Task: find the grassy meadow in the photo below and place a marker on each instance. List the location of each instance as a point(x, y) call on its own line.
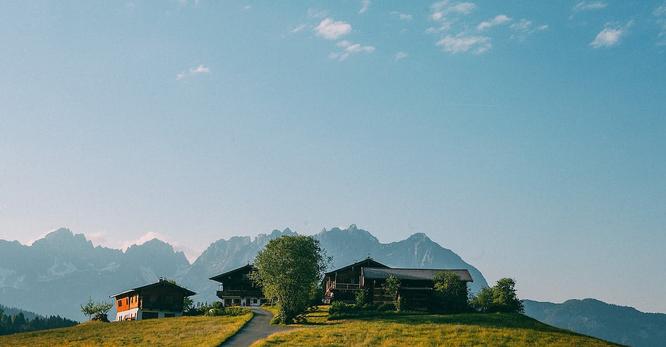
point(181, 331)
point(428, 330)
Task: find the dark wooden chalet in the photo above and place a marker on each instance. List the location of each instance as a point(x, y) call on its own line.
point(342, 284)
point(161, 299)
point(237, 289)
point(415, 284)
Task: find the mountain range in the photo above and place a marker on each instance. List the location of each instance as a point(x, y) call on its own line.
point(59, 272)
point(621, 324)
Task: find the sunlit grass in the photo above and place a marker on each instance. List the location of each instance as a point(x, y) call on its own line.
point(429, 330)
point(182, 331)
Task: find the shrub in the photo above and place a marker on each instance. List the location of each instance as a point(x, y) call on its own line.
point(385, 307)
point(338, 307)
point(361, 298)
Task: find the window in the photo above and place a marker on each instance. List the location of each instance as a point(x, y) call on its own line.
point(120, 302)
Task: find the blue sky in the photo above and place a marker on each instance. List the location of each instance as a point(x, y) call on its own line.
point(527, 136)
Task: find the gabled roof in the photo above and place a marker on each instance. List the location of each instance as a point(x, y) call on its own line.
point(244, 268)
point(367, 262)
point(412, 274)
point(160, 283)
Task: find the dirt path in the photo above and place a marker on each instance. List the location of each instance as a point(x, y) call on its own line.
point(256, 329)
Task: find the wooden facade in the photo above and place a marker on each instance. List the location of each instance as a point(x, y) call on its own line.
point(162, 299)
point(342, 284)
point(415, 284)
point(237, 289)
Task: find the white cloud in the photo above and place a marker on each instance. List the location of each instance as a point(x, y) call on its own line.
point(402, 16)
point(610, 36)
point(500, 19)
point(317, 13)
point(446, 14)
point(524, 27)
point(465, 43)
point(299, 28)
point(188, 2)
point(365, 4)
point(349, 48)
point(331, 29)
point(660, 13)
point(589, 6)
point(400, 56)
point(193, 71)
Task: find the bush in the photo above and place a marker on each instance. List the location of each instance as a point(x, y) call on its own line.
point(385, 307)
point(361, 298)
point(341, 307)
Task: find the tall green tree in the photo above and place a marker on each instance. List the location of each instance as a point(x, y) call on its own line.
point(505, 297)
point(288, 269)
point(501, 297)
point(451, 294)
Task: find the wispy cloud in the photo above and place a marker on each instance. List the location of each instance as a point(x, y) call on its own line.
point(445, 14)
point(348, 49)
point(316, 13)
point(610, 35)
point(402, 16)
point(525, 27)
point(462, 43)
point(660, 14)
point(298, 28)
point(365, 5)
point(589, 6)
point(500, 19)
point(400, 56)
point(331, 30)
point(441, 9)
point(193, 71)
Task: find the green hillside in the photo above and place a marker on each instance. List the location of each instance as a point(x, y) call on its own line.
point(430, 330)
point(182, 331)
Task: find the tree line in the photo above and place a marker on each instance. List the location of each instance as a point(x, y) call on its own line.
point(17, 323)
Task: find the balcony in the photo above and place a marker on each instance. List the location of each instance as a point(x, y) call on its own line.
point(345, 286)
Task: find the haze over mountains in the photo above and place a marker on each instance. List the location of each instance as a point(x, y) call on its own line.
point(59, 272)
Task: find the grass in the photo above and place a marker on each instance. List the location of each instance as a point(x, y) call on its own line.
point(181, 331)
point(473, 329)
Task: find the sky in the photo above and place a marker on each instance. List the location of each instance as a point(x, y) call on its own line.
point(526, 136)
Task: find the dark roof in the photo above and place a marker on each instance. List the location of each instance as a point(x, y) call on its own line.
point(412, 274)
point(160, 283)
point(220, 277)
point(367, 262)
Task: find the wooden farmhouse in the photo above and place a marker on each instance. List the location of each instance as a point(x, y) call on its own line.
point(162, 299)
point(416, 285)
point(237, 289)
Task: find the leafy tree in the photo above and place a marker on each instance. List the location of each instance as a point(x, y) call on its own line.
point(288, 269)
point(483, 301)
point(500, 298)
point(451, 294)
point(96, 310)
point(392, 288)
point(504, 296)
